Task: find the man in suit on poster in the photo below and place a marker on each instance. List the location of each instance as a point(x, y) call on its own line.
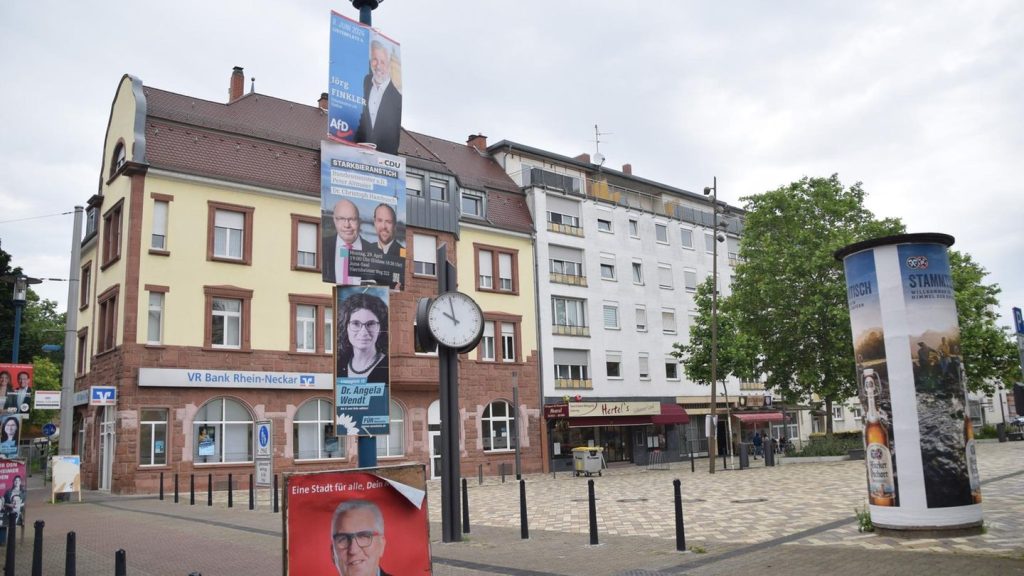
point(381, 120)
point(357, 539)
point(337, 249)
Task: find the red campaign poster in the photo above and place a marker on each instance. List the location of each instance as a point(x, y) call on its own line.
point(354, 523)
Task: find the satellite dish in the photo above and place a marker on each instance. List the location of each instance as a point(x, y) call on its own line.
point(598, 158)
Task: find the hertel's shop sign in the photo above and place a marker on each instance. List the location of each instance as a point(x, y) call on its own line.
point(587, 409)
point(187, 378)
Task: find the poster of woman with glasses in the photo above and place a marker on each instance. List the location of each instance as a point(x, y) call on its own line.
point(361, 373)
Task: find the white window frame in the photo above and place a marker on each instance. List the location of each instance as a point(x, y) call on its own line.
point(508, 342)
point(837, 413)
point(686, 237)
point(485, 263)
point(610, 311)
point(157, 432)
point(441, 186)
point(307, 241)
point(674, 364)
point(227, 238)
point(605, 225)
point(241, 433)
point(644, 366)
point(505, 280)
point(329, 321)
point(668, 321)
point(414, 185)
point(158, 238)
point(661, 233)
point(424, 254)
point(226, 320)
point(856, 412)
point(393, 445)
point(155, 327)
point(476, 200)
point(305, 328)
point(690, 279)
point(487, 342)
point(491, 423)
point(640, 314)
point(608, 263)
point(709, 243)
point(610, 359)
point(665, 276)
point(572, 310)
point(637, 269)
point(634, 228)
point(321, 425)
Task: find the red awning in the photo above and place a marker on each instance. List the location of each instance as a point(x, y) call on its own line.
point(759, 417)
point(670, 414)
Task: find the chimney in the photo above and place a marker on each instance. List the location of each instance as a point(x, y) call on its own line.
point(583, 158)
point(627, 169)
point(322, 102)
point(478, 141)
point(237, 87)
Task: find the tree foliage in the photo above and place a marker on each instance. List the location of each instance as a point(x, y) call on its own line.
point(737, 355)
point(46, 376)
point(41, 323)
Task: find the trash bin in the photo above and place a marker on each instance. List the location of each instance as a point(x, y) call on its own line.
point(587, 460)
point(769, 451)
point(1001, 431)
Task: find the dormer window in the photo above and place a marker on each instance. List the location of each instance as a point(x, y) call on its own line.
point(118, 159)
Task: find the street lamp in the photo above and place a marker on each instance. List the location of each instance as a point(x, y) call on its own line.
point(21, 284)
point(712, 193)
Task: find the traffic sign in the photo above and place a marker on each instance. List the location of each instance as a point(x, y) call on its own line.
point(264, 444)
point(1018, 320)
point(49, 429)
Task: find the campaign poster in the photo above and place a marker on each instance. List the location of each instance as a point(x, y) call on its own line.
point(10, 434)
point(207, 443)
point(13, 488)
point(357, 522)
point(67, 474)
point(933, 332)
point(364, 100)
point(362, 389)
point(362, 196)
point(16, 383)
point(862, 293)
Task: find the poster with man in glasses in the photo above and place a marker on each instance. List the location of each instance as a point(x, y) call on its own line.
point(362, 379)
point(357, 523)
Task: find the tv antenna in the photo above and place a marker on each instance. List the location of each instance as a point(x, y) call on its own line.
point(598, 157)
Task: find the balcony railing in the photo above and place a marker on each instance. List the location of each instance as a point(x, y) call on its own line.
point(565, 229)
point(570, 330)
point(569, 384)
point(559, 278)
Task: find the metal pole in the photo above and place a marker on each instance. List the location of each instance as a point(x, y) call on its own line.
point(680, 528)
point(12, 529)
point(515, 426)
point(37, 549)
point(713, 429)
point(18, 306)
point(365, 8)
point(465, 507)
point(524, 521)
point(67, 389)
point(592, 503)
point(70, 555)
point(448, 372)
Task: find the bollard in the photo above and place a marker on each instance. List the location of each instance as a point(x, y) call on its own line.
point(480, 474)
point(70, 555)
point(192, 489)
point(161, 486)
point(524, 522)
point(252, 494)
point(231, 493)
point(744, 456)
point(680, 529)
point(769, 454)
point(12, 529)
point(37, 549)
point(725, 463)
point(593, 512)
point(175, 487)
point(501, 469)
point(692, 466)
point(465, 507)
point(209, 489)
point(120, 563)
point(275, 494)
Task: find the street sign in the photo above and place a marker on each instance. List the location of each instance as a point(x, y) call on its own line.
point(264, 448)
point(49, 429)
point(1018, 320)
point(264, 473)
point(47, 400)
point(102, 396)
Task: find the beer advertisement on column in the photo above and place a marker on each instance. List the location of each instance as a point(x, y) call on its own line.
point(364, 102)
point(362, 200)
point(950, 475)
point(872, 378)
point(362, 391)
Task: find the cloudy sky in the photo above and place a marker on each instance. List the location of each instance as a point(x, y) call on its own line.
point(920, 101)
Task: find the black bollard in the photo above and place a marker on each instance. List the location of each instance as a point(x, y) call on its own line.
point(480, 474)
point(501, 468)
point(725, 463)
point(120, 563)
point(209, 489)
point(70, 556)
point(680, 529)
point(524, 522)
point(593, 512)
point(37, 549)
point(175, 487)
point(231, 494)
point(192, 489)
point(465, 507)
point(12, 529)
point(161, 485)
point(275, 494)
point(252, 494)
point(692, 467)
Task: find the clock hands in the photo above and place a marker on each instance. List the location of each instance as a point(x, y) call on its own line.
point(451, 305)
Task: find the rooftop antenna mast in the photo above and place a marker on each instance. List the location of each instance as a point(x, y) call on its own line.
point(598, 157)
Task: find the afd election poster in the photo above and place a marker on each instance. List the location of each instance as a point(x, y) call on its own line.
point(362, 197)
point(370, 522)
point(364, 100)
point(362, 390)
point(16, 387)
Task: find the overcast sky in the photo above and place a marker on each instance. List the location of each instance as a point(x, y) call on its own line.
point(920, 101)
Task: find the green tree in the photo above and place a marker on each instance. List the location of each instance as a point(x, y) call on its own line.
point(789, 293)
point(41, 323)
point(737, 355)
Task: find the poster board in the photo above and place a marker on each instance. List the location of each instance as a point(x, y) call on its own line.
point(13, 488)
point(67, 476)
point(384, 521)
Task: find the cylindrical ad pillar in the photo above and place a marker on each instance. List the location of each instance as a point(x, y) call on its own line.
point(921, 467)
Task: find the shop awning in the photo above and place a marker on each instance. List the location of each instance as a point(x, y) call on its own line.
point(670, 414)
point(759, 416)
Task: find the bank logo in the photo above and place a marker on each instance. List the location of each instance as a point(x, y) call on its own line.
point(307, 380)
point(917, 262)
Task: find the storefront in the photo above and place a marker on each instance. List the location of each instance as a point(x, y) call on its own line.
point(627, 431)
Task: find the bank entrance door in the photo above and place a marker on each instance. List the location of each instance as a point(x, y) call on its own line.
point(106, 459)
point(434, 437)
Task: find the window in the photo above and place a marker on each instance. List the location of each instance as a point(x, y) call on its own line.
point(491, 258)
point(155, 328)
point(496, 426)
point(668, 321)
point(438, 189)
point(665, 276)
point(634, 228)
point(733, 245)
point(686, 238)
point(487, 342)
point(508, 342)
point(563, 215)
point(112, 234)
point(118, 159)
point(611, 316)
point(571, 372)
point(641, 319)
point(690, 280)
point(566, 265)
point(228, 311)
point(305, 242)
point(311, 316)
point(645, 366)
point(424, 253)
point(709, 243)
point(613, 364)
point(572, 369)
point(661, 233)
point(671, 369)
point(564, 219)
point(393, 445)
point(414, 185)
point(604, 225)
point(83, 351)
point(230, 233)
point(638, 273)
point(85, 286)
point(91, 217)
point(153, 437)
point(569, 316)
point(222, 430)
point(313, 435)
point(837, 412)
point(472, 204)
point(608, 267)
point(500, 340)
point(158, 238)
point(856, 412)
point(106, 327)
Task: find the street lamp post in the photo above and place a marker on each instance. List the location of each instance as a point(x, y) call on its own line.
point(713, 428)
point(21, 283)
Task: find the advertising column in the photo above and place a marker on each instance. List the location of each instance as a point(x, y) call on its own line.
point(921, 472)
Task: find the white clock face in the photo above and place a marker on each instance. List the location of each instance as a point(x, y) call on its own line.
point(455, 320)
